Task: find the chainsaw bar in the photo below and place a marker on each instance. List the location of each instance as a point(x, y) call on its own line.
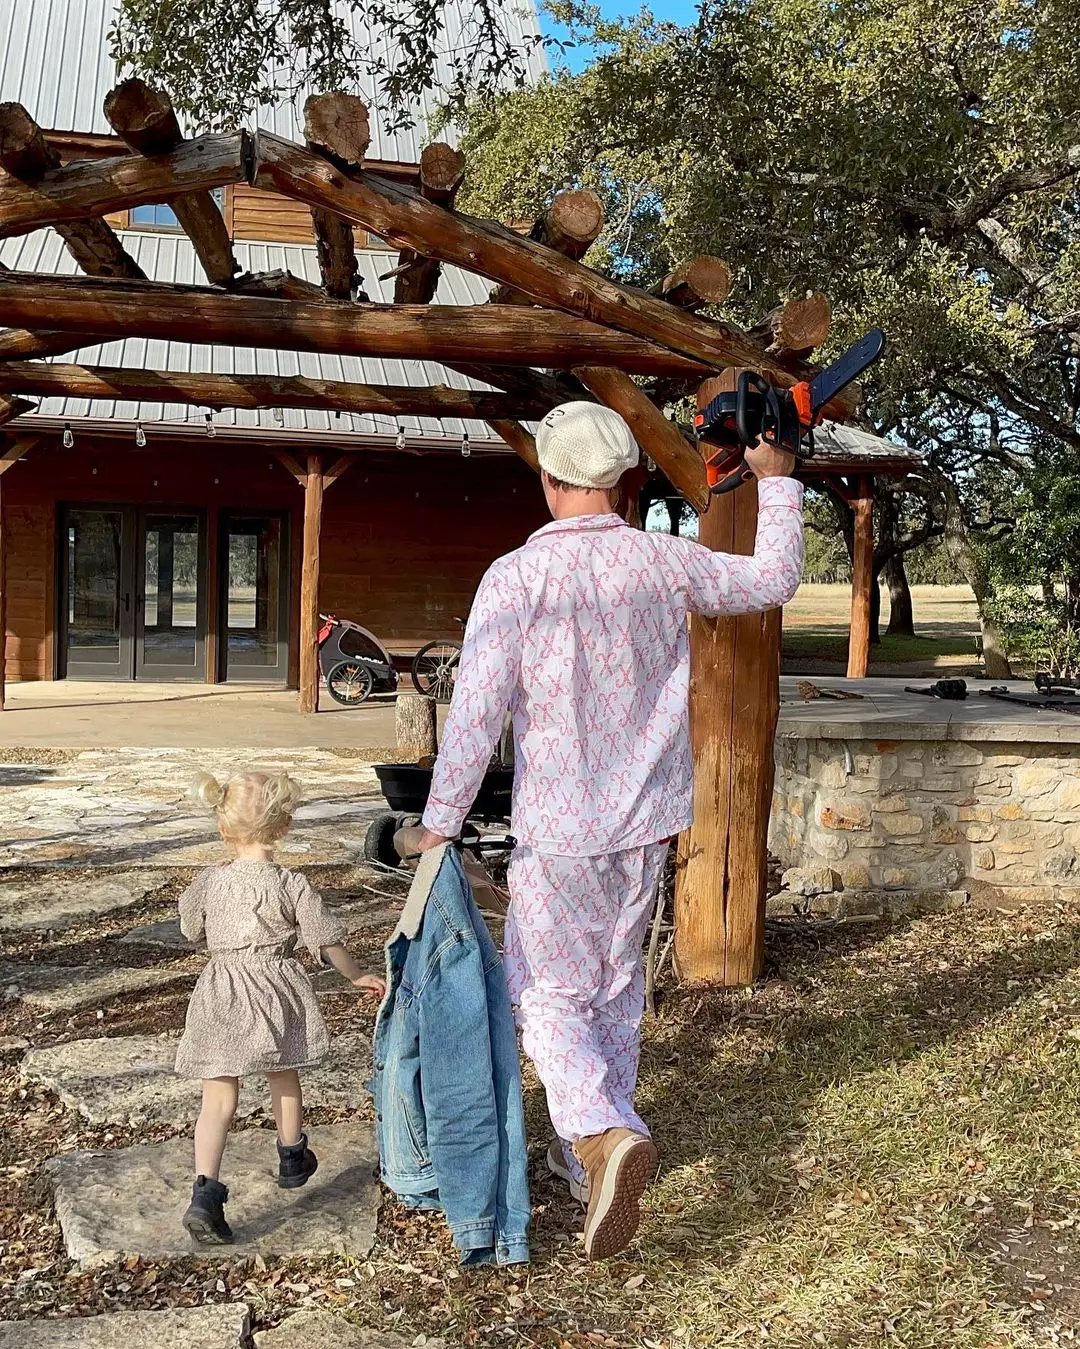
point(845, 369)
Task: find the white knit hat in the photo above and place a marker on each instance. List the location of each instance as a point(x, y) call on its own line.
point(585, 445)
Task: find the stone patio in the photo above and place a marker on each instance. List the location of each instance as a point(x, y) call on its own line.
point(129, 1201)
point(35, 905)
point(322, 1330)
point(220, 1327)
point(67, 988)
point(130, 1080)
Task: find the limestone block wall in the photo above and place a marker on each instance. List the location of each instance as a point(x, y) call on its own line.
point(999, 820)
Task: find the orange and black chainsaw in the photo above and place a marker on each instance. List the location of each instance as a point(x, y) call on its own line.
point(755, 410)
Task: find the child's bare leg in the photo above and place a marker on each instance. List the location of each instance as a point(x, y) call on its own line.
point(219, 1099)
point(287, 1102)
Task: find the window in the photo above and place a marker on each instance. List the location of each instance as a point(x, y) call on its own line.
point(162, 216)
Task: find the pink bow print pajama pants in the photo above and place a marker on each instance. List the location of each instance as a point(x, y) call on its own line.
point(574, 965)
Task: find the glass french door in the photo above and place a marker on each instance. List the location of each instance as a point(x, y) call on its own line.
point(133, 593)
point(255, 596)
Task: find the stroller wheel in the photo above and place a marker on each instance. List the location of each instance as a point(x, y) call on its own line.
point(350, 683)
point(379, 840)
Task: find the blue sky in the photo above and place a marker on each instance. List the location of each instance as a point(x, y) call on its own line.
point(673, 11)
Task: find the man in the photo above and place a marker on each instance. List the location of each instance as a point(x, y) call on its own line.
point(582, 634)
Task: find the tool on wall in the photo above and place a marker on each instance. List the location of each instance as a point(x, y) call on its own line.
point(756, 410)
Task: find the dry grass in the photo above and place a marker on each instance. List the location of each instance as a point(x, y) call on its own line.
point(876, 1146)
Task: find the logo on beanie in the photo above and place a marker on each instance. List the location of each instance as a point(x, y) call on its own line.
point(555, 412)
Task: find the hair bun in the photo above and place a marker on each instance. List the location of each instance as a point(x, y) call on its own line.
point(208, 790)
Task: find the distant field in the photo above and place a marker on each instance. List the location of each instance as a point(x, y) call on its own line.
point(816, 629)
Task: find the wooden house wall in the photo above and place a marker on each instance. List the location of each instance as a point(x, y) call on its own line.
point(405, 539)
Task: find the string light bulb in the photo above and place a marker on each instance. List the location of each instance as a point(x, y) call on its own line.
point(466, 448)
point(140, 436)
point(69, 436)
point(211, 429)
point(400, 438)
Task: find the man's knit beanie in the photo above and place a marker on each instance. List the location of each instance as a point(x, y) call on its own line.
point(585, 445)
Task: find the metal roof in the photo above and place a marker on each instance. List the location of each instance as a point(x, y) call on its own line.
point(171, 257)
point(835, 442)
point(54, 59)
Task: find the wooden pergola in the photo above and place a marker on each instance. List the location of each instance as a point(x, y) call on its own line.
point(553, 330)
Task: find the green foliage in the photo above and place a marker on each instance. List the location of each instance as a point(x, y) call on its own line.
point(220, 60)
point(1037, 629)
point(930, 565)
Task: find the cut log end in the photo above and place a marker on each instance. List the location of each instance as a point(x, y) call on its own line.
point(701, 281)
point(143, 117)
point(23, 149)
point(338, 124)
point(796, 327)
point(441, 170)
point(572, 221)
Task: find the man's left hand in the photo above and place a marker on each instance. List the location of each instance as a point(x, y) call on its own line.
point(428, 840)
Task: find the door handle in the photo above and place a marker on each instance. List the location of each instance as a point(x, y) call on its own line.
point(127, 601)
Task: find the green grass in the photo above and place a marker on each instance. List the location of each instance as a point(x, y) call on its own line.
point(829, 643)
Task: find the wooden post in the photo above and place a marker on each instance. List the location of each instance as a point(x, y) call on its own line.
point(862, 580)
point(415, 727)
point(309, 586)
point(734, 703)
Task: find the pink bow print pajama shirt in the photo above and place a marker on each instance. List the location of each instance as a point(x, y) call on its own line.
point(582, 633)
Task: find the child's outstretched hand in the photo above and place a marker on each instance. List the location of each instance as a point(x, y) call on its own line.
point(370, 984)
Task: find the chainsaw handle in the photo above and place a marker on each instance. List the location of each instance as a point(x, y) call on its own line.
point(742, 472)
point(748, 379)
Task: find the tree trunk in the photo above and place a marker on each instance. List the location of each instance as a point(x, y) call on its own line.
point(875, 610)
point(415, 727)
point(970, 566)
point(901, 614)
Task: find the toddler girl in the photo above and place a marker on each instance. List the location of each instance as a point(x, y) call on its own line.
point(253, 1009)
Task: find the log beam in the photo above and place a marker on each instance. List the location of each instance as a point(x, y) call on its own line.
point(56, 380)
point(404, 218)
point(659, 438)
point(862, 580)
point(10, 408)
point(28, 158)
point(570, 225)
point(279, 284)
point(734, 704)
point(701, 281)
point(309, 586)
point(450, 333)
point(336, 125)
point(794, 328)
point(144, 119)
point(96, 187)
point(442, 169)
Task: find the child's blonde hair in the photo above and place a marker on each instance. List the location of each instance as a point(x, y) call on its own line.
point(250, 807)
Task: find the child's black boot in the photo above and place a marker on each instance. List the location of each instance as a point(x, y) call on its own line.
point(296, 1163)
point(205, 1218)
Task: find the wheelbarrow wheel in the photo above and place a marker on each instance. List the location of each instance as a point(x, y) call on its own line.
point(379, 840)
point(350, 683)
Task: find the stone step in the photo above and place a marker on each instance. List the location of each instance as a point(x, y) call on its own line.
point(61, 902)
point(129, 1079)
point(219, 1327)
point(323, 1330)
point(67, 988)
point(130, 1201)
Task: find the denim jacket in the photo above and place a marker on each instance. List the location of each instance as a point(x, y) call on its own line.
point(447, 1081)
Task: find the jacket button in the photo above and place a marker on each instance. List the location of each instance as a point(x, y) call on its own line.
point(379, 1118)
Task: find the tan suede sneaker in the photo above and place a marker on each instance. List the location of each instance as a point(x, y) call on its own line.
point(557, 1165)
point(619, 1164)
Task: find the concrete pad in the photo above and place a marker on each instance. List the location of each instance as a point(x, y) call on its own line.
point(66, 988)
point(323, 1330)
point(130, 1201)
point(221, 1327)
point(129, 1079)
point(51, 903)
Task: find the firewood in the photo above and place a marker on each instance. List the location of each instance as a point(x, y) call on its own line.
point(144, 119)
point(415, 727)
point(25, 154)
point(442, 169)
point(701, 281)
point(796, 327)
point(569, 226)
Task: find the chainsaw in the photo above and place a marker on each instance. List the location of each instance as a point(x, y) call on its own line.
point(785, 418)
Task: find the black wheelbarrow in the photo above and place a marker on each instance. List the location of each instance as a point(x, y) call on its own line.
point(406, 788)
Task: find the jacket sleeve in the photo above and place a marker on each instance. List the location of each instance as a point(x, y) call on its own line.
point(487, 675)
point(727, 583)
point(459, 1101)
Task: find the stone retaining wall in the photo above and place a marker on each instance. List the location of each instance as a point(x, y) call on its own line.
point(997, 820)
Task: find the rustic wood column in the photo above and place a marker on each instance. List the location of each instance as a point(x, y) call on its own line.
point(734, 703)
point(309, 586)
point(862, 580)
